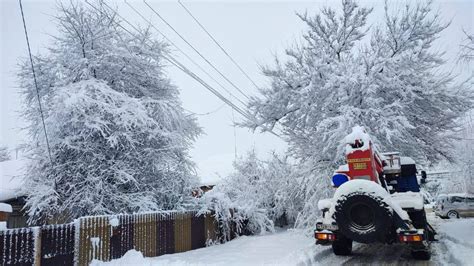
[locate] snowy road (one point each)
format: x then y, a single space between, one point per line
292 247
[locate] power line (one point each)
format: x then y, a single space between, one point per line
175 62
199 53
180 66
181 51
218 44
208 113
36 83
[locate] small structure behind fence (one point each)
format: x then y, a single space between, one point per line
107 237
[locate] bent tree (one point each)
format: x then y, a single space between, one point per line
387 78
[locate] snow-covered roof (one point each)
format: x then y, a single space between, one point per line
210 180
12 176
5 207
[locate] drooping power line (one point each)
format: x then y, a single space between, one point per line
218 44
173 61
180 66
199 53
182 52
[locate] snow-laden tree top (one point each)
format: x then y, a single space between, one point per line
386 78
118 134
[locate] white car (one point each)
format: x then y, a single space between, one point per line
455 205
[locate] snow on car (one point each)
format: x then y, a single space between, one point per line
455 205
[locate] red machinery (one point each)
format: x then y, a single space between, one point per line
363 160
376 200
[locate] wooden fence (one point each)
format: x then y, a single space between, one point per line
107 237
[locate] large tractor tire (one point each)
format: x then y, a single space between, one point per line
363 217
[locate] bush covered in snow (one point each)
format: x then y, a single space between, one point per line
119 137
258 195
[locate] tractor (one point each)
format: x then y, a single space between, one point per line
377 200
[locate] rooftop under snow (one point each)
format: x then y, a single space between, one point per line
12 175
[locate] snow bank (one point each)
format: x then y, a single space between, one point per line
12 176
288 247
5 207
456 236
132 257
3 225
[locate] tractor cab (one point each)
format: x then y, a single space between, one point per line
400 173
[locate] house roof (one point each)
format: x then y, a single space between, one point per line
12 176
210 180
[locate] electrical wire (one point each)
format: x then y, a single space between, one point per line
208 113
180 66
174 62
199 53
218 44
36 83
182 52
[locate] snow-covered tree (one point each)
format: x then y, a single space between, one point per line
259 194
4 154
388 79
467 48
119 137
465 146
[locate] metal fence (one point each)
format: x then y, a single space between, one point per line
107 237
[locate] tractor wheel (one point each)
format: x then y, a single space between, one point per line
342 246
453 215
363 218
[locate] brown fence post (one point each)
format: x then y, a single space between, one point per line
211 227
198 235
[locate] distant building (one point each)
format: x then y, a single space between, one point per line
12 177
205 185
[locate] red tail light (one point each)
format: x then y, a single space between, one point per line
410 238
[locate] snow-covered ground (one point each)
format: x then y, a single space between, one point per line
292 247
456 242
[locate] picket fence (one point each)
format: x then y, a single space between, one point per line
107 237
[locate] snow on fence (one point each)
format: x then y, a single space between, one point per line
18 246
107 237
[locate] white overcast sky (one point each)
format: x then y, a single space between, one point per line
252 32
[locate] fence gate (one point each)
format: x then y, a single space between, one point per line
57 244
121 240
